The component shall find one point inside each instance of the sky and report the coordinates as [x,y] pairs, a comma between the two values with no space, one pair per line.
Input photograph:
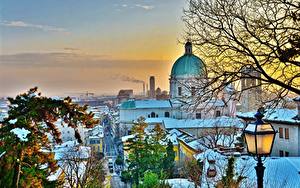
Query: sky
[68,46]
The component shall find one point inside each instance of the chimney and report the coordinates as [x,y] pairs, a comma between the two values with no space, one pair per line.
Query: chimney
[297,101]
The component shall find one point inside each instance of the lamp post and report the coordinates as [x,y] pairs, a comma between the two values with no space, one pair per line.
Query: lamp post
[259,138]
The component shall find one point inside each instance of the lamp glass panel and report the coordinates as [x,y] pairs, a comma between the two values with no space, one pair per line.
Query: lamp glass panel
[264,127]
[264,143]
[250,140]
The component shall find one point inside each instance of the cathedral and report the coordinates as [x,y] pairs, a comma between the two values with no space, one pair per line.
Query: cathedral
[185,73]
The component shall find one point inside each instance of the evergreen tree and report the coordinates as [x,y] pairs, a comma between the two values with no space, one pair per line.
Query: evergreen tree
[145,151]
[229,180]
[25,162]
[119,160]
[169,160]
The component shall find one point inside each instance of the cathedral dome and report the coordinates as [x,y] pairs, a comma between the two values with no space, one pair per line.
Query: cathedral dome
[188,64]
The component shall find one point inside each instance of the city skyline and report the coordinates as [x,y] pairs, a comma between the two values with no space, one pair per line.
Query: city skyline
[69,47]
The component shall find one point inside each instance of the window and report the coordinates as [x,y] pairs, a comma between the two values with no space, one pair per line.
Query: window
[218,113]
[152,114]
[167,114]
[280,153]
[286,133]
[198,115]
[193,91]
[287,154]
[179,91]
[280,132]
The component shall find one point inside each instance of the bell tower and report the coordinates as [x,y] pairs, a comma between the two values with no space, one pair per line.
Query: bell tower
[251,98]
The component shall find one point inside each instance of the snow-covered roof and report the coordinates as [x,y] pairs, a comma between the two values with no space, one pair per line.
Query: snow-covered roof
[180,183]
[155,120]
[279,172]
[202,123]
[175,131]
[71,148]
[297,98]
[173,138]
[276,115]
[143,104]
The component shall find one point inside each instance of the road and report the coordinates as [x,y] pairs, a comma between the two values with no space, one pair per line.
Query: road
[111,151]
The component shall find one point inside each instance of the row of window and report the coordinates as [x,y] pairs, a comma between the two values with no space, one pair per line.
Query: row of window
[193,91]
[283,153]
[286,133]
[153,115]
[94,141]
[198,115]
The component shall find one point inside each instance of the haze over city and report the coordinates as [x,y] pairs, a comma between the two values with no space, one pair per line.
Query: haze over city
[68,47]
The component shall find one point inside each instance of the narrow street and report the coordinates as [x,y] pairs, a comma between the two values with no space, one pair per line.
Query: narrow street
[111,152]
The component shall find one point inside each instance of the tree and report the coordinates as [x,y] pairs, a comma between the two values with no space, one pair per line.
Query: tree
[81,168]
[169,160]
[126,177]
[146,153]
[218,135]
[193,170]
[235,36]
[228,180]
[119,160]
[151,180]
[23,136]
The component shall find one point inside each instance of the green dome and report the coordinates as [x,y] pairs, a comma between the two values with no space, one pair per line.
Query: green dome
[188,65]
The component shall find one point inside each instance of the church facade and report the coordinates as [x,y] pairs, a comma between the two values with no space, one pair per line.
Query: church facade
[186,72]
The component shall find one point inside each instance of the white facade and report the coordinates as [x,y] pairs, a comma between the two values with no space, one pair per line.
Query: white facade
[287,140]
[287,123]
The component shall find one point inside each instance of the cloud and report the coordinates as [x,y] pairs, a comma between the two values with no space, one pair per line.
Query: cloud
[23,24]
[71,49]
[61,72]
[145,7]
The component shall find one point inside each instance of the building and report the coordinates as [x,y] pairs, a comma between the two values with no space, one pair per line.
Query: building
[251,98]
[279,172]
[199,127]
[186,71]
[152,87]
[287,123]
[94,140]
[124,95]
[131,110]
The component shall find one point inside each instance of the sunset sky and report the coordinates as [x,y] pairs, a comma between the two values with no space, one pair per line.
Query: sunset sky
[67,46]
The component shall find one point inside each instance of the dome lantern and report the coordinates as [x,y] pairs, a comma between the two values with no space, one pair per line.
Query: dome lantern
[188,47]
[188,65]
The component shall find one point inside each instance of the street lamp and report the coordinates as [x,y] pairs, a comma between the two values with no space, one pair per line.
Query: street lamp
[259,138]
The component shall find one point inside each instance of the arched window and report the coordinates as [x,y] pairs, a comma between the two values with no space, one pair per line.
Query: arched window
[152,114]
[167,114]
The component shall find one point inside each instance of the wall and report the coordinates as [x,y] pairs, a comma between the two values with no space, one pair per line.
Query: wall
[290,145]
[127,116]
